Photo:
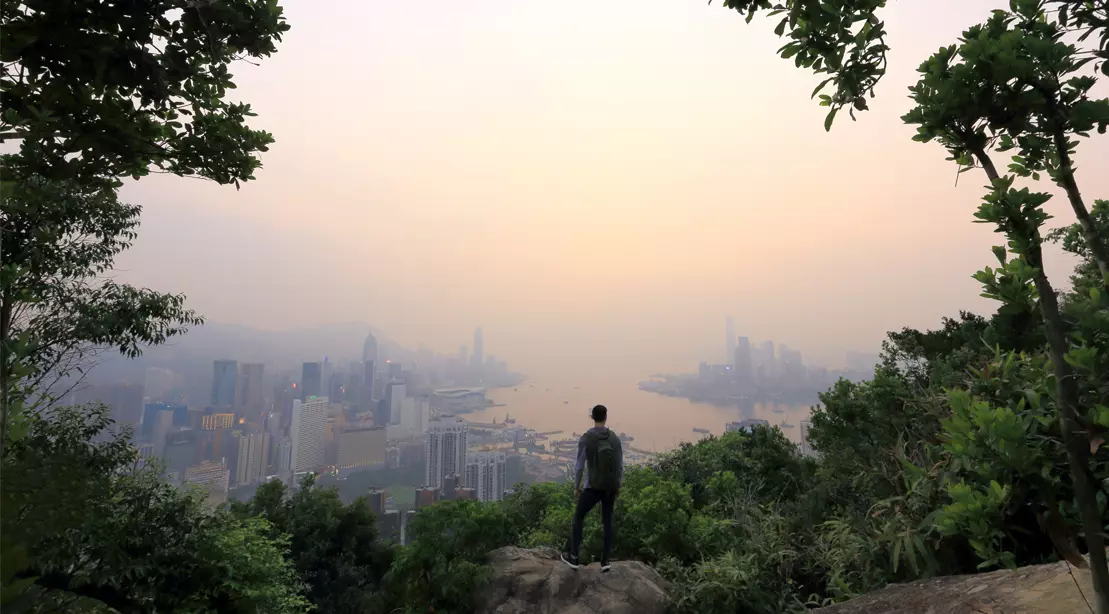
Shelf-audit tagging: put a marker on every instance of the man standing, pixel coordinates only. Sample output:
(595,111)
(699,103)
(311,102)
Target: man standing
(602,460)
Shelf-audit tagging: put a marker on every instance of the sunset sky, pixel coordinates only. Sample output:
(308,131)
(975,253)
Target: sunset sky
(596,183)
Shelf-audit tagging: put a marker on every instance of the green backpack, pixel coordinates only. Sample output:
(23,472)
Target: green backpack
(603,475)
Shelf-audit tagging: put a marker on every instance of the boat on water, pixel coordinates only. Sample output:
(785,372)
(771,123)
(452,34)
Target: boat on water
(786,425)
(626,437)
(565,402)
(508,419)
(779,410)
(700,430)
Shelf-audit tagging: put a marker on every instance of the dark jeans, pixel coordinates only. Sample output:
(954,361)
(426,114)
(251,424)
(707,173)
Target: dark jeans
(589,498)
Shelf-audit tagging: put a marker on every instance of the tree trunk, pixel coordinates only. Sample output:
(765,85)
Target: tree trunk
(1094,241)
(1078,447)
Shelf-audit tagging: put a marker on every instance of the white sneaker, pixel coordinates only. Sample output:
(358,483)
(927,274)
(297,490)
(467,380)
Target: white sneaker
(571,561)
(605,567)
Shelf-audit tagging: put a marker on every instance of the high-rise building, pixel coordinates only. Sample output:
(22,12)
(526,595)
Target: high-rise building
(307,433)
(283,457)
(449,489)
(381,412)
(395,393)
(283,395)
(248,392)
(311,380)
(768,360)
(729,340)
(742,361)
(368,376)
(446,450)
(252,458)
(485,473)
(362,448)
(160,428)
(369,348)
(415,414)
(225,375)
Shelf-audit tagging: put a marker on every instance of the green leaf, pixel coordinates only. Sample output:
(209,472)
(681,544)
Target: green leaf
(828,119)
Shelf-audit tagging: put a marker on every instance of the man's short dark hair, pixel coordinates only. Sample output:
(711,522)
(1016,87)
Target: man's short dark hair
(599,413)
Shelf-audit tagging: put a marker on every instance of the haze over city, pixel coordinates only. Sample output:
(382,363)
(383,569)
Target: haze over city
(496,306)
(597,186)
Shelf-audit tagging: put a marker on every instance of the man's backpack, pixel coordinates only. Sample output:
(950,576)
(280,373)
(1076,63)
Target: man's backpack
(604,475)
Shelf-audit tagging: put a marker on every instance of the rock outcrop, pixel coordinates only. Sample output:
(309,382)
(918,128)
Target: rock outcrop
(1038,589)
(537,582)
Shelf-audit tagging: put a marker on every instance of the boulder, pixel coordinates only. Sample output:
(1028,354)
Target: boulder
(537,582)
(1055,588)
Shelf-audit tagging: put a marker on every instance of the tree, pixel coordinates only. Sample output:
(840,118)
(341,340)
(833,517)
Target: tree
(55,309)
(95,524)
(334,547)
(1012,83)
(447,560)
(93,91)
(967,100)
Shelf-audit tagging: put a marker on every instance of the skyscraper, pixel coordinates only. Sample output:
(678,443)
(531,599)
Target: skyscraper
(446,450)
(225,375)
(311,380)
(485,473)
(369,348)
(395,393)
(742,361)
(252,458)
(368,376)
(307,433)
(729,340)
(248,392)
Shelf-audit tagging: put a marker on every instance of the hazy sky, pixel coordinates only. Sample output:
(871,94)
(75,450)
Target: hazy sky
(596,183)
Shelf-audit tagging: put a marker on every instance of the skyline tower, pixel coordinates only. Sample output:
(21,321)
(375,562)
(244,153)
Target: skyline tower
(311,380)
(225,375)
(369,371)
(248,391)
(742,362)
